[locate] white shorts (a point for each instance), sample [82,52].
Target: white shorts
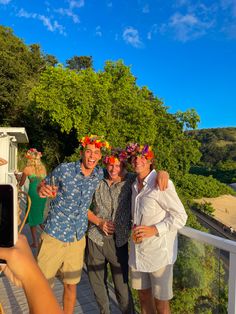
[160,281]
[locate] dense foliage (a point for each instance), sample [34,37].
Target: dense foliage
[79,63]
[20,66]
[197,186]
[218,148]
[110,103]
[198,289]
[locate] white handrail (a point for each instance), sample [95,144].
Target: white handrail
[221,243]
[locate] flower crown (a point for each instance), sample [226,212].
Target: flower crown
[33,153]
[135,149]
[96,140]
[116,154]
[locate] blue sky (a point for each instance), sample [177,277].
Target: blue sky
[183,50]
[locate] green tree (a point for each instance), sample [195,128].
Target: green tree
[198,280]
[80,63]
[109,102]
[188,119]
[50,60]
[20,66]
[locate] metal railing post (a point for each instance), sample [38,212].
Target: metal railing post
[232,284]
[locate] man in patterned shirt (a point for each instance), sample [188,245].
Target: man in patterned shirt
[63,239]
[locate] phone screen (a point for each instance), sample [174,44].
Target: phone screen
[6,216]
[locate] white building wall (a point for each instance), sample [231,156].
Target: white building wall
[4,153]
[10,137]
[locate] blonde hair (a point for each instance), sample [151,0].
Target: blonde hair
[35,162]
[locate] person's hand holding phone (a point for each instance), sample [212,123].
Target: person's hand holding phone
[19,259]
[8,217]
[23,271]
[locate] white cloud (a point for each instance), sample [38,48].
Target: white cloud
[198,18]
[146,9]
[51,25]
[23,13]
[229,4]
[69,13]
[180,3]
[179,19]
[154,29]
[131,36]
[98,31]
[230,31]
[73,4]
[186,27]
[76,4]
[5,1]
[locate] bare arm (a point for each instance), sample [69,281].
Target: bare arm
[23,270]
[22,179]
[93,218]
[162,180]
[2,162]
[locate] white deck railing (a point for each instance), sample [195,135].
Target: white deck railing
[226,245]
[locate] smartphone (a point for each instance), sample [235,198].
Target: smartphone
[8,216]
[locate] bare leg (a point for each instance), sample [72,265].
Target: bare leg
[69,298]
[42,226]
[162,307]
[34,237]
[146,301]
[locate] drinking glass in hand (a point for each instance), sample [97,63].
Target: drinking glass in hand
[135,233]
[111,228]
[53,186]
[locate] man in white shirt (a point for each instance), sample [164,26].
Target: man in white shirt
[157,216]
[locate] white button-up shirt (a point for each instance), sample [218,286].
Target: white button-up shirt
[164,210]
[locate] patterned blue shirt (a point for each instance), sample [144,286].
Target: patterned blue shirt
[67,218]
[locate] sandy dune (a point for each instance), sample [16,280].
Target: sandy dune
[225,209]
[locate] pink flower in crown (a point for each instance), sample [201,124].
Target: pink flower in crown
[132,147]
[96,140]
[32,153]
[106,160]
[114,155]
[123,156]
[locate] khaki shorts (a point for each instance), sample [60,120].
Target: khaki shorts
[67,258]
[160,281]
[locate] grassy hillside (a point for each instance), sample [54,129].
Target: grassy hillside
[218,148]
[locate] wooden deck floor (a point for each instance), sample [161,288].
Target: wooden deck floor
[14,302]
